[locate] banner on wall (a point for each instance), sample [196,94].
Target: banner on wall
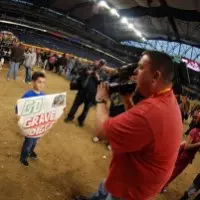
[39,114]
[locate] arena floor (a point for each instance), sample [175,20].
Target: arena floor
[69,162]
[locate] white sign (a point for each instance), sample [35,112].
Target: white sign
[38,114]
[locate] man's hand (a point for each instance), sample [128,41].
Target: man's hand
[65,109]
[102,92]
[127,100]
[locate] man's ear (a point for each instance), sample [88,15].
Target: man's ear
[157,75]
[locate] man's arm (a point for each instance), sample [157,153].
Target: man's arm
[101,109]
[101,117]
[189,145]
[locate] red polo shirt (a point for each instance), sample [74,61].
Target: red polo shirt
[145,142]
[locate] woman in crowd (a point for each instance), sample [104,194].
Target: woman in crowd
[187,151]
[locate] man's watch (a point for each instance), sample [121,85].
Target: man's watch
[98,100]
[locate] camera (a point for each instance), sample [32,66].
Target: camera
[121,82]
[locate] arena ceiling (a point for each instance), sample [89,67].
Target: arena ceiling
[171,20]
[152,20]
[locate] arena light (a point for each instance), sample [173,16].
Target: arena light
[138,33]
[23,25]
[124,20]
[144,39]
[131,26]
[104,4]
[114,12]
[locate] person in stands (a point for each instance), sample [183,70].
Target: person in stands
[187,151]
[17,55]
[192,190]
[28,148]
[143,153]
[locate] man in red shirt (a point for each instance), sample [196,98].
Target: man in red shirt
[146,138]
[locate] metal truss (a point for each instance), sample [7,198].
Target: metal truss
[171,48]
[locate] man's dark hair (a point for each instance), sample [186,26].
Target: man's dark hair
[162,62]
[37,75]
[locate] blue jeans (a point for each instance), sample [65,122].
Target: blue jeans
[13,69]
[27,74]
[102,194]
[28,147]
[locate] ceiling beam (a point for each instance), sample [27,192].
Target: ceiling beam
[170,19]
[76,6]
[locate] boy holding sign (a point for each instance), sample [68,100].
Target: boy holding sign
[38,81]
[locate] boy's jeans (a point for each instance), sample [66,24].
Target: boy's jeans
[13,69]
[27,74]
[28,147]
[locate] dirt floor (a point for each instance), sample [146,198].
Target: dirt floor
[69,162]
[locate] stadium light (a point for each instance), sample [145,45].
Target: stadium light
[114,12]
[23,25]
[104,5]
[144,39]
[124,20]
[131,26]
[138,33]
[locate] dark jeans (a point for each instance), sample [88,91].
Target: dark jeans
[28,147]
[80,99]
[27,74]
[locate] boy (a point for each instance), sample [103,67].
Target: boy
[38,81]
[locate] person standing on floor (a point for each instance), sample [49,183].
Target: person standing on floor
[144,153]
[62,63]
[28,148]
[17,55]
[34,57]
[87,87]
[187,152]
[28,64]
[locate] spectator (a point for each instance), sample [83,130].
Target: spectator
[28,64]
[88,81]
[17,55]
[52,61]
[70,67]
[187,151]
[62,63]
[1,60]
[194,122]
[34,57]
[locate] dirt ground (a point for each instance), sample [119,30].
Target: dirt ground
[69,162]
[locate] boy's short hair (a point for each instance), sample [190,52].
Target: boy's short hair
[37,75]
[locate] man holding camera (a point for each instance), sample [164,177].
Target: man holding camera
[87,88]
[145,139]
